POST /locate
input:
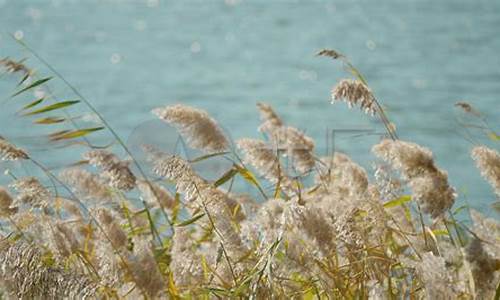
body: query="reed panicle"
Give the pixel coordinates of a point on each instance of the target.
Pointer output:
(270, 120)
(206, 197)
(187, 271)
(415, 163)
(468, 108)
(196, 126)
(88, 185)
(355, 93)
(329, 53)
(261, 156)
(32, 192)
(483, 267)
(488, 162)
(10, 152)
(179, 171)
(154, 193)
(436, 277)
(145, 271)
(6, 203)
(116, 234)
(339, 174)
(297, 146)
(115, 171)
(13, 66)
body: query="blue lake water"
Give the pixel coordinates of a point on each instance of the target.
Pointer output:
(127, 57)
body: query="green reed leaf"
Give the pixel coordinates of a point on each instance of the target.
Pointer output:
(25, 77)
(398, 202)
(493, 136)
(204, 157)
(226, 177)
(248, 176)
(459, 209)
(34, 84)
(34, 103)
(74, 134)
(49, 120)
(191, 221)
(53, 107)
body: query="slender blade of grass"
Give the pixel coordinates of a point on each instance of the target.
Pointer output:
(34, 84)
(52, 107)
(74, 134)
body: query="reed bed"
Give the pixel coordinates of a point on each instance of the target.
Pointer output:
(316, 228)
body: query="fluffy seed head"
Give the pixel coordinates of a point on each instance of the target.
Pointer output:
(113, 229)
(184, 265)
(6, 202)
(154, 193)
(467, 108)
(10, 152)
(14, 66)
(116, 171)
(31, 191)
(329, 53)
(340, 174)
(488, 162)
(179, 171)
(270, 120)
(196, 126)
(86, 184)
(300, 148)
(355, 93)
(145, 271)
(259, 155)
(415, 163)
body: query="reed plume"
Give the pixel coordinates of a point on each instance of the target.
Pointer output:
(297, 146)
(415, 163)
(86, 184)
(329, 53)
(270, 120)
(113, 229)
(154, 193)
(488, 231)
(436, 277)
(6, 203)
(10, 152)
(206, 197)
(339, 174)
(31, 191)
(116, 171)
(355, 93)
(488, 162)
(468, 108)
(179, 171)
(144, 268)
(483, 267)
(196, 126)
(259, 155)
(13, 66)
(185, 265)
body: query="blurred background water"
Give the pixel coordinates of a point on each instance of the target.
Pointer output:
(127, 57)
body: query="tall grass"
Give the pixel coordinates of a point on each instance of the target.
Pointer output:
(103, 228)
